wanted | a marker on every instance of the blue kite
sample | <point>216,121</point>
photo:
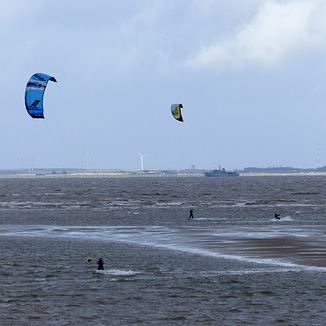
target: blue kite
<point>34,93</point>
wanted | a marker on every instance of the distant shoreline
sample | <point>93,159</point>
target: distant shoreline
<point>265,174</point>
<point>137,173</point>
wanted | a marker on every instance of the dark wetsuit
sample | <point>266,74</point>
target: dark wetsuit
<point>100,264</point>
<point>191,215</point>
<point>277,216</point>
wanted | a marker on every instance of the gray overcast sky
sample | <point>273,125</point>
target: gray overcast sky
<point>251,75</point>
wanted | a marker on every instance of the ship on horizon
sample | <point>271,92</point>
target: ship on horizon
<point>221,173</point>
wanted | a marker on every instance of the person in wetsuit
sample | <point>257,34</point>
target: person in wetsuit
<point>100,264</point>
<point>191,215</point>
<point>277,216</point>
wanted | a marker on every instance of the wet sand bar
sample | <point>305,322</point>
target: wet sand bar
<point>288,245</point>
<point>297,250</point>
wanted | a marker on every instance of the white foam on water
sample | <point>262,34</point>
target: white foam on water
<point>282,219</point>
<point>286,218</point>
<point>117,272</point>
<point>122,272</point>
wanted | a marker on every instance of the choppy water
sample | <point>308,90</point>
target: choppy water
<point>233,264</point>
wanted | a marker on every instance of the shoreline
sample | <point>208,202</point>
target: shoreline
<point>147,174</point>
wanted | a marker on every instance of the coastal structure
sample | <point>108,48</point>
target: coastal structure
<point>221,173</point>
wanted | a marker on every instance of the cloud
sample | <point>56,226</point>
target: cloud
<point>278,31</point>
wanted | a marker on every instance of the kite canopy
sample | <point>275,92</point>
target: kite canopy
<point>34,93</point>
<point>176,111</point>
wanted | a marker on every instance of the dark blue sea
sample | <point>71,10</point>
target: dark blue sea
<point>233,264</point>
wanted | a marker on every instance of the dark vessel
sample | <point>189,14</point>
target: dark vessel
<point>221,173</point>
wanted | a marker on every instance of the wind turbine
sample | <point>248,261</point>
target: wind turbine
<point>31,162</point>
<point>22,158</point>
<point>142,160</point>
<point>88,159</point>
<point>32,165</point>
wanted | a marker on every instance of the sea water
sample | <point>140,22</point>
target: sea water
<point>233,264</point>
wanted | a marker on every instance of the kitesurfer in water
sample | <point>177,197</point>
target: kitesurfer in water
<point>100,264</point>
<point>191,215</point>
<point>277,216</point>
